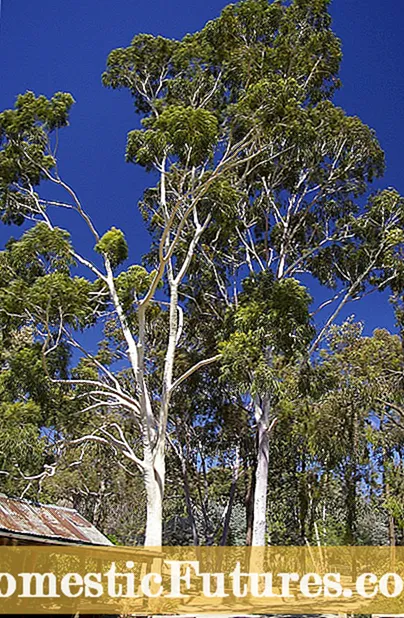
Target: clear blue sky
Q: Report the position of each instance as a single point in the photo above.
(51, 45)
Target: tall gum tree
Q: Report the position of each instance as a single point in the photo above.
(201, 86)
(185, 92)
(253, 170)
(297, 218)
(264, 64)
(60, 304)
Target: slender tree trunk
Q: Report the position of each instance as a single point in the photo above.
(249, 505)
(303, 500)
(261, 476)
(387, 493)
(392, 525)
(154, 477)
(188, 502)
(351, 480)
(226, 525)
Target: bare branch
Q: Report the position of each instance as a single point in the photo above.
(187, 374)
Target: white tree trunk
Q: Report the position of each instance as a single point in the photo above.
(154, 477)
(261, 475)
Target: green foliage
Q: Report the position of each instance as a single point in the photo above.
(271, 322)
(25, 157)
(113, 245)
(30, 406)
(58, 294)
(41, 246)
(256, 82)
(21, 445)
(196, 83)
(187, 133)
(256, 38)
(36, 281)
(144, 59)
(278, 309)
(131, 283)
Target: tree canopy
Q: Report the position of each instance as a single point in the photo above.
(218, 370)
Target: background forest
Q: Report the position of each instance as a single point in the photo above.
(218, 391)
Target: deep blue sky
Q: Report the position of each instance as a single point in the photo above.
(51, 45)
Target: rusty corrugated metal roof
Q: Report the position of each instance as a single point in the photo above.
(22, 518)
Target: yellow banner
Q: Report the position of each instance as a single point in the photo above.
(206, 580)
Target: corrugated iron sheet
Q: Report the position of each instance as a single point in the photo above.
(51, 523)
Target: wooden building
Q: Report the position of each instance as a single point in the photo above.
(26, 523)
(29, 523)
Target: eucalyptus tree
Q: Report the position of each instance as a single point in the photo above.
(297, 218)
(185, 92)
(361, 432)
(253, 172)
(28, 405)
(291, 210)
(244, 68)
(350, 250)
(336, 464)
(39, 286)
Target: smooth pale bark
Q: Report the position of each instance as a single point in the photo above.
(262, 415)
(249, 505)
(154, 474)
(154, 477)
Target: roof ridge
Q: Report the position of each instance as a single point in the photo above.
(36, 503)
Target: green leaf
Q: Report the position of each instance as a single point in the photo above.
(113, 245)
